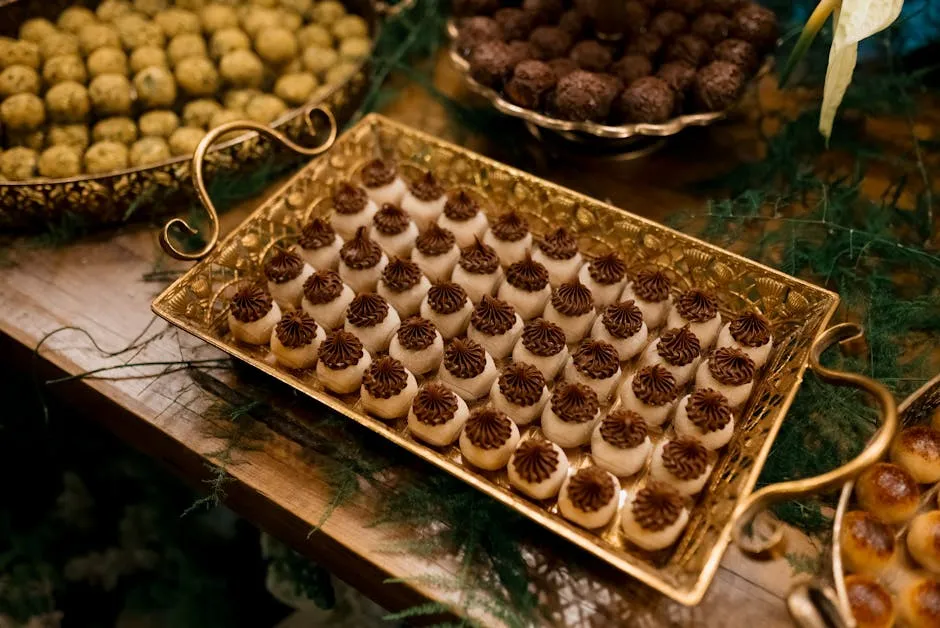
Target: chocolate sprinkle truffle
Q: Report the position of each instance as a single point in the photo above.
(476, 30)
(544, 11)
(573, 22)
(583, 96)
(738, 52)
(718, 85)
(757, 25)
(646, 44)
(549, 42)
(678, 76)
(668, 24)
(562, 67)
(491, 63)
(515, 23)
(530, 82)
(648, 100)
(690, 49)
(632, 67)
(591, 55)
(712, 27)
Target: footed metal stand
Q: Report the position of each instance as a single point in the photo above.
(584, 146)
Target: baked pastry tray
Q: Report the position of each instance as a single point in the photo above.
(799, 311)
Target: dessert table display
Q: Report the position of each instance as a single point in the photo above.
(564, 413)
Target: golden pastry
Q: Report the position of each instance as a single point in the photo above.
(870, 603)
(888, 492)
(867, 544)
(917, 449)
(923, 540)
(919, 604)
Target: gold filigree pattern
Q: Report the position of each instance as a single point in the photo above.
(797, 310)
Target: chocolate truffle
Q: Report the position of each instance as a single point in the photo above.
(757, 25)
(605, 277)
(526, 288)
(712, 27)
(495, 325)
(751, 333)
(646, 44)
(370, 317)
(403, 286)
(342, 362)
(448, 307)
(361, 262)
(436, 252)
(515, 23)
(491, 63)
(488, 439)
(253, 314)
(632, 67)
(570, 415)
(478, 270)
(678, 76)
(668, 24)
(382, 183)
(584, 96)
(463, 216)
(718, 86)
(520, 392)
(636, 17)
(650, 392)
(394, 231)
(690, 49)
(596, 364)
(476, 30)
(543, 345)
(562, 67)
(620, 443)
(558, 253)
(320, 244)
(509, 236)
(437, 415)
(326, 298)
(621, 325)
(683, 463)
(544, 11)
(730, 372)
(571, 307)
(589, 497)
(418, 345)
(738, 52)
(286, 272)
(537, 468)
(678, 350)
(296, 340)
(549, 42)
(706, 416)
(698, 309)
(352, 208)
(649, 100)
(573, 22)
(424, 201)
(654, 517)
(725, 7)
(387, 388)
(591, 55)
(468, 369)
(519, 50)
(531, 81)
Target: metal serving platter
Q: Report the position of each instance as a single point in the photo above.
(799, 311)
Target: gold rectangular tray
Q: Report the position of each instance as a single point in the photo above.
(798, 310)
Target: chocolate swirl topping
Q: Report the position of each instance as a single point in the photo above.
(559, 245)
(367, 310)
(657, 506)
(479, 259)
(488, 428)
(349, 199)
(654, 385)
(340, 350)
(385, 378)
(652, 286)
(446, 298)
(708, 410)
(731, 367)
(679, 347)
(622, 320)
(434, 404)
(435, 240)
(751, 329)
(400, 275)
(296, 329)
(596, 359)
(591, 489)
(416, 333)
(283, 266)
(464, 358)
(685, 458)
(607, 269)
(574, 403)
(535, 460)
(316, 234)
(461, 206)
(510, 227)
(543, 338)
(527, 275)
(391, 220)
(250, 303)
(572, 299)
(492, 316)
(426, 188)
(624, 429)
(696, 306)
(521, 383)
(378, 173)
(361, 252)
(322, 287)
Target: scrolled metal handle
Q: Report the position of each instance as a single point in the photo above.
(199, 182)
(744, 515)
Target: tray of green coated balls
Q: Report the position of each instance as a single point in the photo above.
(133, 84)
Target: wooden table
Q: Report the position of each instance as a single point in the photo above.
(98, 285)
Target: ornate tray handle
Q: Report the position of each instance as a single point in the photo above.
(744, 531)
(199, 182)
